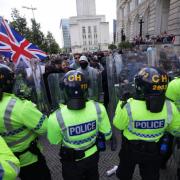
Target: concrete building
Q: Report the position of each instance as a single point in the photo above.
(88, 31)
(158, 16)
(65, 34)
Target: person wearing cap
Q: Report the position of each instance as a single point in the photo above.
(91, 74)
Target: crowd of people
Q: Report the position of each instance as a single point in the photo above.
(80, 125)
(163, 38)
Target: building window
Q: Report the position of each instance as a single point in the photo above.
(84, 30)
(128, 8)
(90, 42)
(95, 29)
(84, 36)
(95, 36)
(89, 36)
(89, 29)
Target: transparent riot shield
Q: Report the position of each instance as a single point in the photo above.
(55, 89)
(121, 71)
(29, 85)
(95, 91)
(169, 61)
(114, 67)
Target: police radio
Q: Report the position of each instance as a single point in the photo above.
(100, 142)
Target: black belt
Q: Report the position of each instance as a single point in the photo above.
(141, 146)
(70, 154)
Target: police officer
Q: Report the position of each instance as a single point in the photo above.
(20, 124)
(9, 164)
(79, 126)
(143, 121)
(173, 93)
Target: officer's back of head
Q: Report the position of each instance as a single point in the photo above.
(151, 84)
(7, 80)
(75, 89)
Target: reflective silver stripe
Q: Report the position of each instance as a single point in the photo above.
(1, 171)
(7, 114)
(60, 120)
(10, 144)
(169, 111)
(128, 108)
(98, 110)
(16, 168)
(61, 123)
(64, 130)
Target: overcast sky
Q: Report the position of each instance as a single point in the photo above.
(49, 12)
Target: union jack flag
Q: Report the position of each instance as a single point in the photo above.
(16, 47)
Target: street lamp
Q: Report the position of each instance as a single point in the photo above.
(30, 8)
(140, 22)
(123, 37)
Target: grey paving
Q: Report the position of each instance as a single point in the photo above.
(107, 160)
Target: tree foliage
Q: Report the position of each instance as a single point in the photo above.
(125, 45)
(20, 24)
(34, 33)
(112, 46)
(52, 44)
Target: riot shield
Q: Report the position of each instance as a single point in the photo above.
(95, 91)
(55, 89)
(121, 71)
(29, 85)
(114, 67)
(94, 79)
(168, 60)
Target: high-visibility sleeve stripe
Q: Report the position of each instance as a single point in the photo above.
(16, 168)
(7, 114)
(13, 143)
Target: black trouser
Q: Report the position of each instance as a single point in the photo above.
(145, 154)
(36, 171)
(86, 169)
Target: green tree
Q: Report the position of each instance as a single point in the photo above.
(34, 34)
(112, 46)
(125, 45)
(19, 23)
(53, 47)
(37, 36)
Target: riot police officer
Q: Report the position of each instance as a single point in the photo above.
(143, 120)
(80, 126)
(20, 124)
(173, 93)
